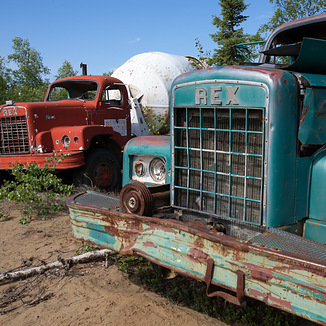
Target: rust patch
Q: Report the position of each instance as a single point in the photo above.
(197, 254)
(320, 114)
(158, 141)
(275, 75)
(261, 275)
(304, 113)
(202, 234)
(269, 299)
(149, 244)
(301, 20)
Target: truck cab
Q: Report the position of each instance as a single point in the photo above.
(247, 143)
(235, 196)
(85, 117)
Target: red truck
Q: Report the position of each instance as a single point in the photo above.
(85, 117)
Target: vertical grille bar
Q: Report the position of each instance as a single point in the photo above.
(219, 161)
(14, 137)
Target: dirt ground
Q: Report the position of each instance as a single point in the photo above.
(86, 294)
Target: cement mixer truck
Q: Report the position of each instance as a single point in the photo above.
(148, 78)
(90, 119)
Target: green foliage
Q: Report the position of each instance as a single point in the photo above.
(229, 33)
(109, 73)
(4, 214)
(127, 263)
(86, 247)
(203, 55)
(289, 10)
(29, 62)
(155, 122)
(4, 79)
(38, 190)
(66, 70)
(27, 81)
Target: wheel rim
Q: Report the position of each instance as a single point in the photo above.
(103, 175)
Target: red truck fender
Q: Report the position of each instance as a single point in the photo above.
(73, 138)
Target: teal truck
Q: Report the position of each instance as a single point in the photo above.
(236, 195)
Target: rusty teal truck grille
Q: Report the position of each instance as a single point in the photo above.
(218, 166)
(14, 138)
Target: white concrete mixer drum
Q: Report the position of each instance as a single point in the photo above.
(150, 76)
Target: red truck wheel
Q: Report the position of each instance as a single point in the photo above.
(102, 170)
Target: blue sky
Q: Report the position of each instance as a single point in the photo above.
(105, 34)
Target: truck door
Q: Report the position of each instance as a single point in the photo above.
(113, 110)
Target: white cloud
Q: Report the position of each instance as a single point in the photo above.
(136, 40)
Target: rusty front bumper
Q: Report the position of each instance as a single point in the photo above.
(285, 277)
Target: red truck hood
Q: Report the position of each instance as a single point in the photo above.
(47, 115)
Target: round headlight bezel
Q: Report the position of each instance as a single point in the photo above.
(66, 141)
(157, 169)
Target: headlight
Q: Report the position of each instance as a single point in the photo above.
(66, 141)
(157, 169)
(139, 169)
(148, 169)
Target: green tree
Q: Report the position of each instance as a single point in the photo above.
(289, 10)
(230, 33)
(27, 82)
(109, 73)
(66, 70)
(30, 68)
(4, 80)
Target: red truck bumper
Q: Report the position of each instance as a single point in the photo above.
(74, 160)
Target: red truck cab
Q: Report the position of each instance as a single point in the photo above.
(85, 117)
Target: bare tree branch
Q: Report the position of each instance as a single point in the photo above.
(67, 263)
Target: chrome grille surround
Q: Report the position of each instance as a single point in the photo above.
(219, 161)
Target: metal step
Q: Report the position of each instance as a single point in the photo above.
(288, 242)
(97, 199)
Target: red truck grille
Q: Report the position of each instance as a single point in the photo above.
(14, 138)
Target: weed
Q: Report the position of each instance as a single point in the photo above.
(38, 190)
(85, 247)
(4, 215)
(155, 122)
(128, 263)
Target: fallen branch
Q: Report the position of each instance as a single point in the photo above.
(67, 263)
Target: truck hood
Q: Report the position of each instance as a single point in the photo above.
(47, 115)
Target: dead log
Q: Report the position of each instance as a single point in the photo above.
(67, 263)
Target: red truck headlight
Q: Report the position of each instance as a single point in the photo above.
(66, 141)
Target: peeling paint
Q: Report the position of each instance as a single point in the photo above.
(288, 281)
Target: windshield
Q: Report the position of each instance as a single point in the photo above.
(73, 89)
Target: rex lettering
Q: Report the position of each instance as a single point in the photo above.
(10, 112)
(201, 95)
